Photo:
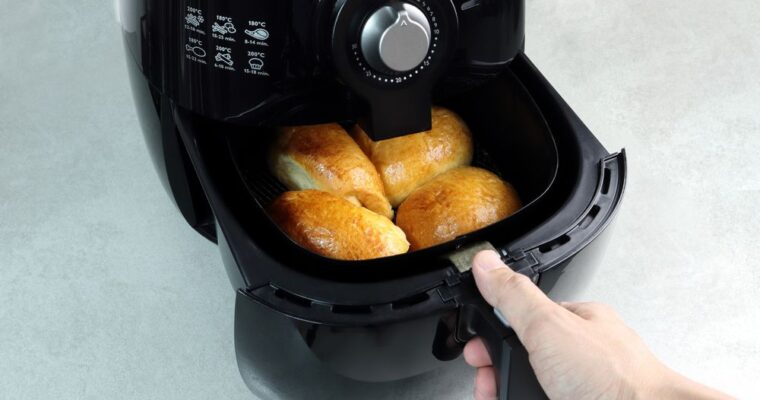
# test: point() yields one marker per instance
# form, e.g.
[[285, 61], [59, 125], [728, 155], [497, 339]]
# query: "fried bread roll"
[[324, 157], [334, 227], [407, 162], [457, 202]]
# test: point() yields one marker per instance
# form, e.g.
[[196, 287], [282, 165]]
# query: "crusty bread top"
[[334, 227], [457, 202], [407, 162], [324, 157]]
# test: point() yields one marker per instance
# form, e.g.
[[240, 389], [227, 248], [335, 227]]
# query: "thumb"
[[513, 294]]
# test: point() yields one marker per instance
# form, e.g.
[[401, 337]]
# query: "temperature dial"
[[396, 38]]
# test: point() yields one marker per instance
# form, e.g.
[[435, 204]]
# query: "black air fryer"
[[213, 79]]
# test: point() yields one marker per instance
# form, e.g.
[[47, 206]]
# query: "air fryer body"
[[562, 255], [338, 329]]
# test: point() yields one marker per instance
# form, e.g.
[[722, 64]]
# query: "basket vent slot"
[[410, 301], [590, 217], [340, 309], [549, 246], [606, 181], [292, 298]]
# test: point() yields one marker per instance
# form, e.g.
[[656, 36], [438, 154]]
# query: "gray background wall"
[[105, 293]]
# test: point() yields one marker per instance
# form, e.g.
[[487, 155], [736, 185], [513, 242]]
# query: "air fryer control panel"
[[233, 49], [227, 44], [230, 60], [274, 62]]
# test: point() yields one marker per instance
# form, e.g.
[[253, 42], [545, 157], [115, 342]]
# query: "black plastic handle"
[[515, 378]]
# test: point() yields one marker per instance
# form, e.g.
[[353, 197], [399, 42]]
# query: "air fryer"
[[213, 79]]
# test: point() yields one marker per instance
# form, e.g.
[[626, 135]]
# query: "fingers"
[[518, 299], [476, 354], [485, 384]]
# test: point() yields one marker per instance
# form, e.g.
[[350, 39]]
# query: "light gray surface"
[[105, 293]]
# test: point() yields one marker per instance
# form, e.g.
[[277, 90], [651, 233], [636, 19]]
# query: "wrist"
[[652, 383], [670, 385]]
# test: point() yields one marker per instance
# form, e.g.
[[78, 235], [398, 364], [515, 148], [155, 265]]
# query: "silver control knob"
[[396, 37]]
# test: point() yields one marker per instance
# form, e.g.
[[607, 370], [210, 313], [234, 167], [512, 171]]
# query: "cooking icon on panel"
[[224, 58], [196, 50], [227, 28], [256, 64], [258, 34], [194, 20]]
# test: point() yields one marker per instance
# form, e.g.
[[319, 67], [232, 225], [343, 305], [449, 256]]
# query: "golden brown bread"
[[406, 163], [457, 202], [324, 157], [334, 227]]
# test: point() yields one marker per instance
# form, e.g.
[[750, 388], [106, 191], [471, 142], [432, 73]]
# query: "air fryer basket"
[[520, 124], [512, 140]]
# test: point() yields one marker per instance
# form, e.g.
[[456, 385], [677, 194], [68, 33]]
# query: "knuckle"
[[513, 283], [604, 309], [517, 282], [542, 319], [599, 310]]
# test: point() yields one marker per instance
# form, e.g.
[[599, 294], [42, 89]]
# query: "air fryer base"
[[276, 361]]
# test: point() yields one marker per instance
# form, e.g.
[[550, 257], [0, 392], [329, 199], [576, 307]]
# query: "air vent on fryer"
[[610, 190], [305, 308], [549, 246], [340, 309], [410, 301], [590, 217], [606, 181], [292, 298]]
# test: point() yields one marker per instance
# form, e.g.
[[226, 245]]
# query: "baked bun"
[[407, 162], [334, 227], [324, 157], [457, 202]]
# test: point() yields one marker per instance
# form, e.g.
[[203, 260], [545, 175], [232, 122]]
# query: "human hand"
[[577, 350]]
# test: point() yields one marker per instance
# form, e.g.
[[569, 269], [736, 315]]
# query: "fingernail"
[[489, 261]]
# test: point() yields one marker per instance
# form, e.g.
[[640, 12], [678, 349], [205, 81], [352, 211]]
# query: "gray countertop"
[[105, 293]]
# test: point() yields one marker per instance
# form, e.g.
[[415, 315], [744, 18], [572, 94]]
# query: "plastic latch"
[[462, 258], [522, 262]]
